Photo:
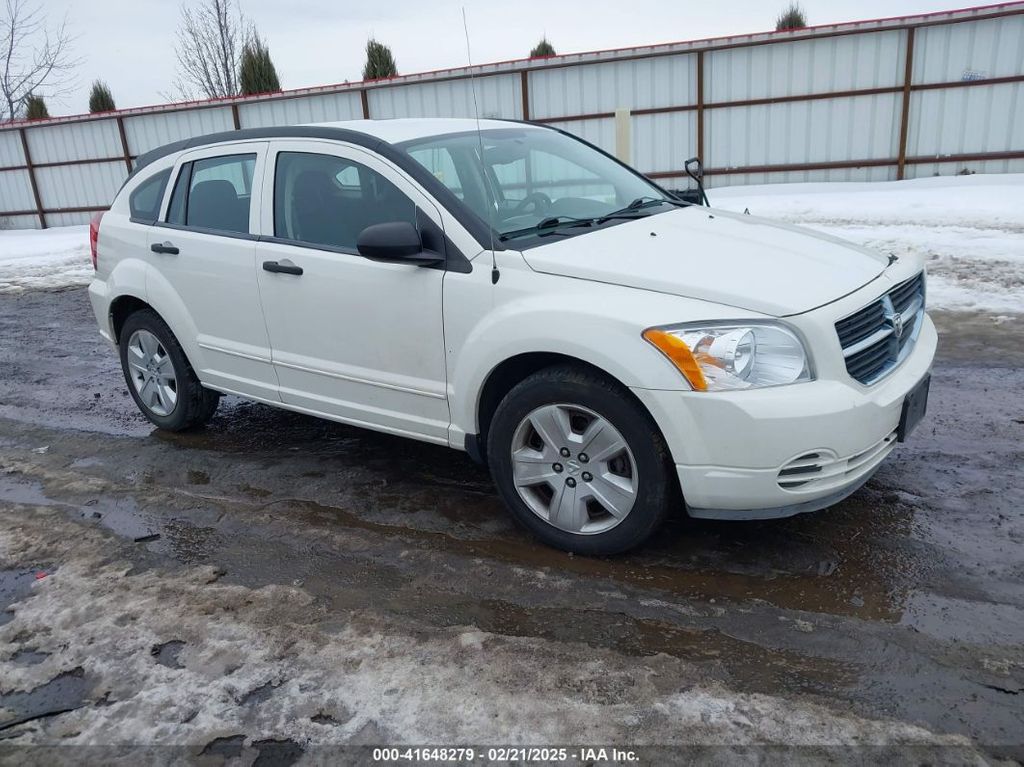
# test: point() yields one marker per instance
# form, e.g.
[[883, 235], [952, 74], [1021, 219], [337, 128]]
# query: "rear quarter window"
[[144, 202]]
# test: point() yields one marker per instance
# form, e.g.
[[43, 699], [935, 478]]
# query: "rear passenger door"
[[204, 250], [356, 339]]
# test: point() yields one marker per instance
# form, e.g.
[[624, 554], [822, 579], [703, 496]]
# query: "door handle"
[[282, 267], [164, 247]]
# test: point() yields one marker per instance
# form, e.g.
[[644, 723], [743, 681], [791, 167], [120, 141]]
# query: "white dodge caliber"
[[612, 353]]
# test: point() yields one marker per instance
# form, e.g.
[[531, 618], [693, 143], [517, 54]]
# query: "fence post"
[[365, 101], [700, 105], [32, 179], [908, 76], [124, 143], [234, 116], [524, 88]]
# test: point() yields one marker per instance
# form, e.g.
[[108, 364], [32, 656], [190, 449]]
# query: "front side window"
[[438, 160], [527, 182], [325, 200], [144, 202], [214, 193]]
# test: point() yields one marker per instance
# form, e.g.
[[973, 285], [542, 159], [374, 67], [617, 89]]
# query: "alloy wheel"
[[152, 373], [573, 469]]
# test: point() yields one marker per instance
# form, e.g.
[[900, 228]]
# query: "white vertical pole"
[[623, 137]]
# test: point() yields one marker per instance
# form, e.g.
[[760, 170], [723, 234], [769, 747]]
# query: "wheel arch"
[[121, 308], [513, 370]]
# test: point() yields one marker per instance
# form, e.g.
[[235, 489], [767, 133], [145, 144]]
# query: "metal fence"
[[865, 101]]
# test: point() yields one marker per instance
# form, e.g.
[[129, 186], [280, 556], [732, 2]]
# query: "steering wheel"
[[535, 202]]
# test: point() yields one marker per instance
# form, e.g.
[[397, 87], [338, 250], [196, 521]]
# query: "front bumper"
[[730, 447]]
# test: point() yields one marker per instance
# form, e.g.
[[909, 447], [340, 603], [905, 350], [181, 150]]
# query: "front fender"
[[595, 323]]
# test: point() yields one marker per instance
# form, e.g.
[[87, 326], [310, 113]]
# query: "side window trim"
[[205, 230]]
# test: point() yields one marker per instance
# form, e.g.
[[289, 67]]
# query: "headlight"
[[723, 357]]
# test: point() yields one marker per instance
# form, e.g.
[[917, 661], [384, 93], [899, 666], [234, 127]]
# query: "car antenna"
[[495, 274]]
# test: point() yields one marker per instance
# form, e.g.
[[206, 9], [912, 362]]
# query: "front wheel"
[[159, 376], [579, 462]]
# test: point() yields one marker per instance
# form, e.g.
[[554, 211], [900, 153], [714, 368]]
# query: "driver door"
[[360, 341]]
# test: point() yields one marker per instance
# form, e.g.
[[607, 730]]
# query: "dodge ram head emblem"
[[897, 325]]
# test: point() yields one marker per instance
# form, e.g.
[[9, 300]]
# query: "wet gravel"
[[904, 602]]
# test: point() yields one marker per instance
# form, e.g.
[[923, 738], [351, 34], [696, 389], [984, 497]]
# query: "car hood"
[[729, 258]]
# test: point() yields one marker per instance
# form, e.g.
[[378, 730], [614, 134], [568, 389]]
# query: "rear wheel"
[[159, 376], [579, 462]]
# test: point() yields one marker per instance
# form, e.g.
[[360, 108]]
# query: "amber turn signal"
[[679, 354]]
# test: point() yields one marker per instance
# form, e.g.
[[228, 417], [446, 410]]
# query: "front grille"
[[875, 339]]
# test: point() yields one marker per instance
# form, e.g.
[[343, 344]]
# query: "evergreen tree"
[[256, 73], [100, 98], [379, 61], [791, 18], [35, 108], [542, 49]]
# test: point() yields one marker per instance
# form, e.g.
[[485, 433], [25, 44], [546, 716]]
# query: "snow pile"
[[970, 229], [51, 258]]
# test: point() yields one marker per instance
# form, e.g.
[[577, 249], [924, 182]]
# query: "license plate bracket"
[[915, 405]]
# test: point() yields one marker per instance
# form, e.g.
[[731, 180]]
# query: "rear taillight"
[[94, 236]]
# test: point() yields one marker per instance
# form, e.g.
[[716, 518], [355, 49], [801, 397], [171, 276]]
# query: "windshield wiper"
[[548, 223], [638, 204], [564, 222]]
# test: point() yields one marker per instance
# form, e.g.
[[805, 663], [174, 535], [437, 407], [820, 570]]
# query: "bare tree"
[[210, 42], [35, 58]]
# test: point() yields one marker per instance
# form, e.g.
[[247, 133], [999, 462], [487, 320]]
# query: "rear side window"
[[144, 202], [325, 200], [214, 193]]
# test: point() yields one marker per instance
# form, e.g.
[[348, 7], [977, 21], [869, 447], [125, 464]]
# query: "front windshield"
[[533, 180]]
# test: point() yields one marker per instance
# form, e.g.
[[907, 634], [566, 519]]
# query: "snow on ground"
[[970, 229], [328, 678], [51, 258]]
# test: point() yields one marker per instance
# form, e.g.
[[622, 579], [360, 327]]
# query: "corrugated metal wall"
[[496, 95], [297, 111], [824, 104]]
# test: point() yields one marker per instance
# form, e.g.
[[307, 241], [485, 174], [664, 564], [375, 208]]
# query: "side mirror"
[[695, 170], [395, 241], [691, 196]]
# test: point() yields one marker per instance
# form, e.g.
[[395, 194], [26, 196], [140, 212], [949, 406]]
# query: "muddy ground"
[[274, 584]]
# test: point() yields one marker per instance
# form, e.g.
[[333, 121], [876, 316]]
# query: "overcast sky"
[[130, 43]]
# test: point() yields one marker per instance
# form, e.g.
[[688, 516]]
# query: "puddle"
[[16, 585], [276, 753], [198, 477], [28, 657], [230, 747], [166, 654], [65, 692], [258, 695]]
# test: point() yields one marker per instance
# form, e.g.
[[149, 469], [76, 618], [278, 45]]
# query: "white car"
[[613, 354]]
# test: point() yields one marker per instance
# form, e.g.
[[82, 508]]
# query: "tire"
[[174, 399], [522, 462]]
